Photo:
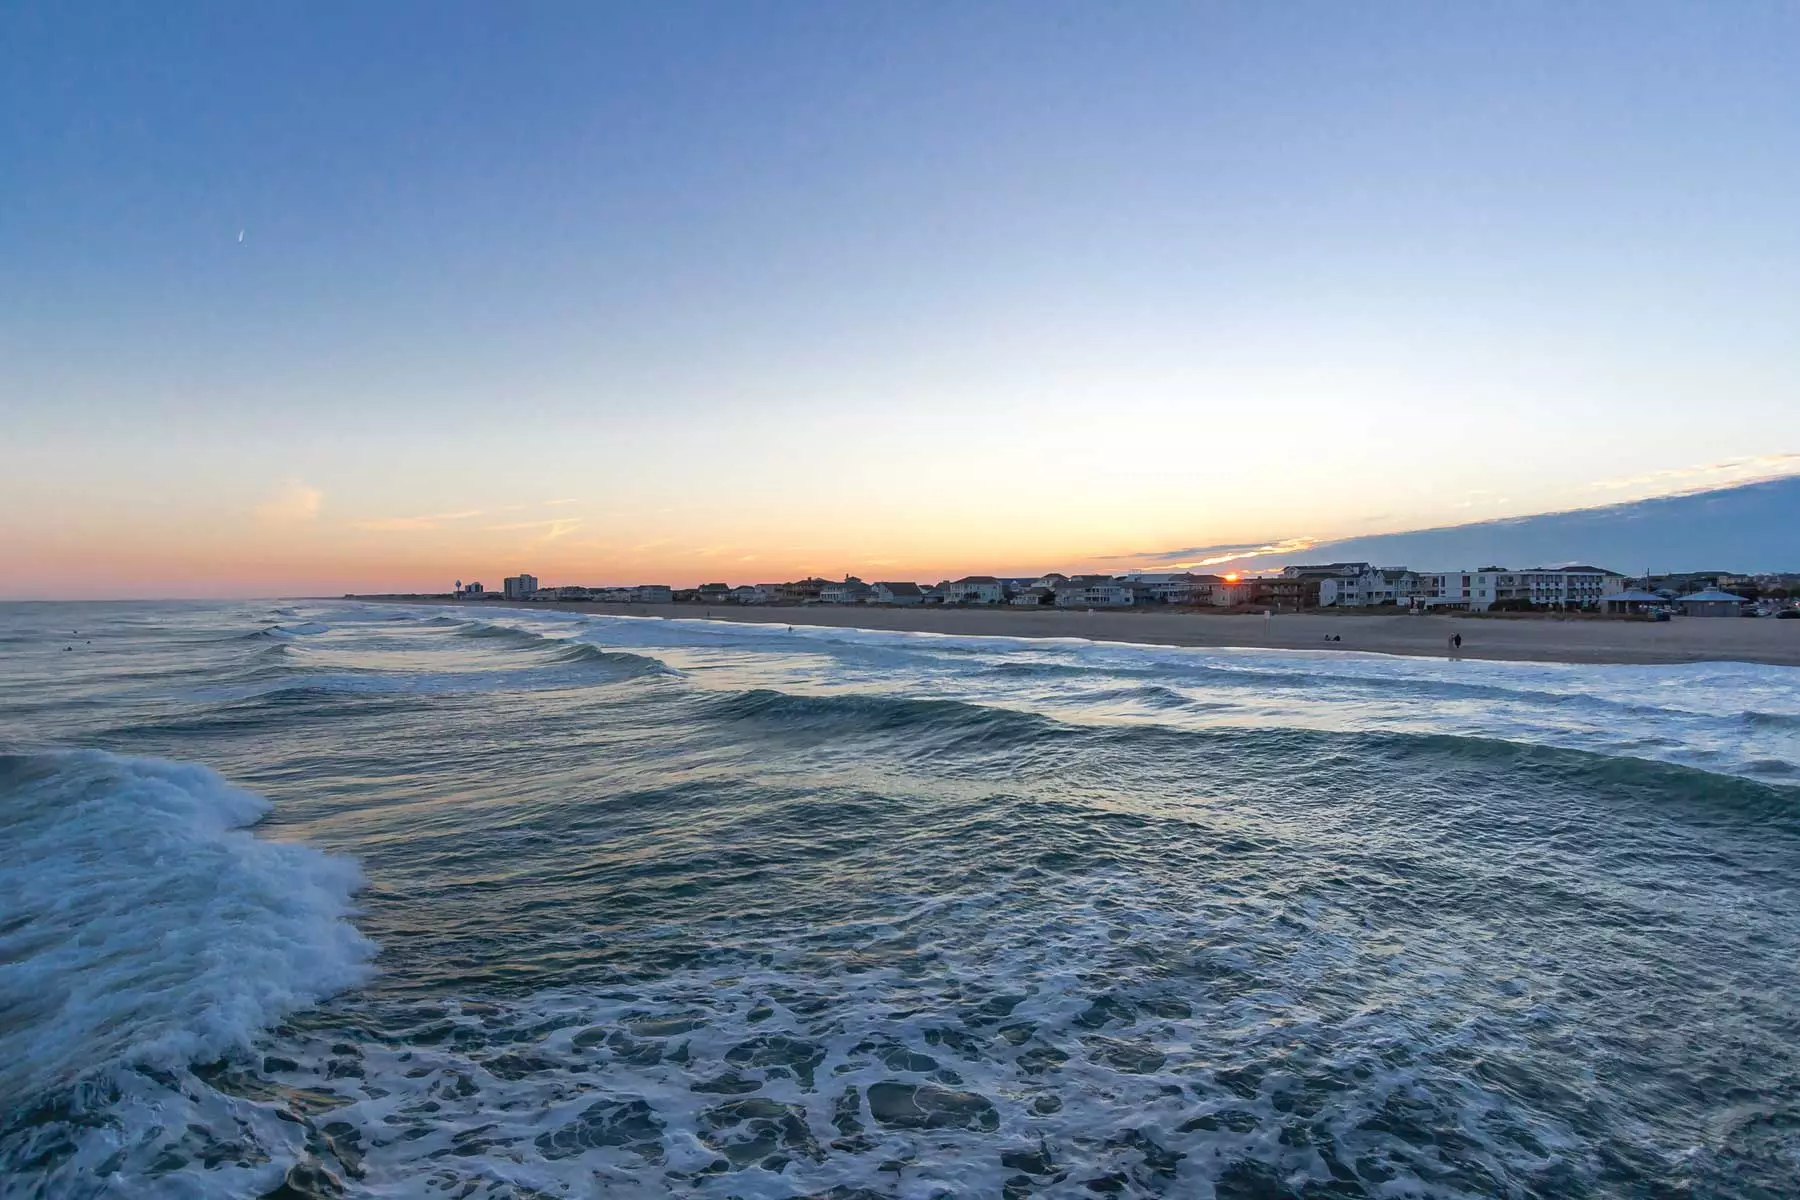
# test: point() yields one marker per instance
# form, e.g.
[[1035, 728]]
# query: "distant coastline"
[[1534, 638]]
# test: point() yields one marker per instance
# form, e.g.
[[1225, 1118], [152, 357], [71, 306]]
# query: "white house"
[[973, 589], [652, 593], [748, 593], [895, 592], [1033, 597]]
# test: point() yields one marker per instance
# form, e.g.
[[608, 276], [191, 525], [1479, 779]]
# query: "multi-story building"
[[1549, 587], [1370, 587], [519, 587], [652, 593]]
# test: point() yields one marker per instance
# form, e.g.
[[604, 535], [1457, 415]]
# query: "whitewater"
[[328, 899]]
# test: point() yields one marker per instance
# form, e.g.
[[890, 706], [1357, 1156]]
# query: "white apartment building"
[[1368, 588], [519, 587], [1478, 591]]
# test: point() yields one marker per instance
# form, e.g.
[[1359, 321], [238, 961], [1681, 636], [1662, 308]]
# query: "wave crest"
[[145, 925]]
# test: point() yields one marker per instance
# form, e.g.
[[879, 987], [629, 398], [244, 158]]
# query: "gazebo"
[[1711, 603], [1633, 600]]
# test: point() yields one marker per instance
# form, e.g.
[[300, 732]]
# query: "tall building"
[[520, 587]]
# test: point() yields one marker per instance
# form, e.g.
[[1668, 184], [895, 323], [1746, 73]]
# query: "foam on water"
[[143, 924]]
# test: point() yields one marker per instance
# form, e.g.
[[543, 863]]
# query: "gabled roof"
[[1636, 596], [977, 579], [1711, 596], [901, 588]]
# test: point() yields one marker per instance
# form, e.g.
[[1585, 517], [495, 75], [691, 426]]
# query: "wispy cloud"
[[552, 529], [296, 502], [413, 524], [1211, 556], [1707, 475], [564, 500]]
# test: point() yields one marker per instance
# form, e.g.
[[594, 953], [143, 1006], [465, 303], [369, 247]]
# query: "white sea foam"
[[142, 923]]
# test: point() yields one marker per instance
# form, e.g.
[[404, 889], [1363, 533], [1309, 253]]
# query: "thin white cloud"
[[552, 529], [412, 524], [564, 500], [295, 503], [1211, 556]]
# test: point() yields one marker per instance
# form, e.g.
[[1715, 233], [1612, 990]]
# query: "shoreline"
[[1498, 639]]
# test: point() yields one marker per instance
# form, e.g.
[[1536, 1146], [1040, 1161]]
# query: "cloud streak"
[[1212, 556], [413, 524], [294, 504], [1707, 476], [554, 528]]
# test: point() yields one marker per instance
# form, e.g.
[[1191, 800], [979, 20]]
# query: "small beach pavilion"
[[1711, 603], [1633, 600]]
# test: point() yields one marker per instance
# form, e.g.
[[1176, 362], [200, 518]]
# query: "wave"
[[302, 629], [142, 924], [576, 653]]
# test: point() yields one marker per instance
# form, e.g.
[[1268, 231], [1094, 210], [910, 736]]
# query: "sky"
[[314, 298]]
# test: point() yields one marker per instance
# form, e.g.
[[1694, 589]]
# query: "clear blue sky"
[[745, 289]]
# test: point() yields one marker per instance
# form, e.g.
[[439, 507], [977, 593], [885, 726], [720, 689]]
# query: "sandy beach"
[[1519, 639]]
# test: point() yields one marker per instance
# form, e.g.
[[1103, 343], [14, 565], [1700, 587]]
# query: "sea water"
[[330, 899]]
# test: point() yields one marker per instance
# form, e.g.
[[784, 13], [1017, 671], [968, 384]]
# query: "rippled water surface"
[[329, 899]]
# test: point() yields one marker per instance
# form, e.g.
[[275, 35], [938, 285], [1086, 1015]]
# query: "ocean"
[[328, 899]]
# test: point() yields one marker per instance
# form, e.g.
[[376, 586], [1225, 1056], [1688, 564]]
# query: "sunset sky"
[[314, 298]]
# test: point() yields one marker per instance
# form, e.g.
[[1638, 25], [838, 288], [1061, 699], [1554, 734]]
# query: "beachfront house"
[[713, 593], [973, 589], [896, 592], [1052, 581], [1176, 587], [653, 593], [851, 591], [1033, 597], [1072, 592], [1229, 593], [1102, 591], [749, 593], [800, 591], [1711, 603]]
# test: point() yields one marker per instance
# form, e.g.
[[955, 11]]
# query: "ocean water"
[[328, 899]]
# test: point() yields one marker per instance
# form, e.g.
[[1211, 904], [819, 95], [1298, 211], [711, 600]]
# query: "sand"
[[1518, 639]]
